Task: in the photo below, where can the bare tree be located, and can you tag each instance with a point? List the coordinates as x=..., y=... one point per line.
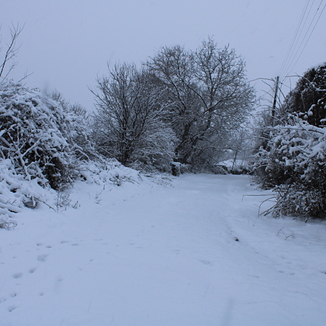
x=173, y=68
x=208, y=96
x=7, y=62
x=128, y=117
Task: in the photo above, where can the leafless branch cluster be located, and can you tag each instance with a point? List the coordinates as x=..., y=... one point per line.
x=7, y=63
x=199, y=96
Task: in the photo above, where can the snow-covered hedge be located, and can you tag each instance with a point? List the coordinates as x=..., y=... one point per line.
x=294, y=162
x=40, y=135
x=44, y=147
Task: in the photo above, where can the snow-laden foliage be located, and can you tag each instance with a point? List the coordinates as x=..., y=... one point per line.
x=107, y=172
x=44, y=136
x=294, y=162
x=36, y=149
x=79, y=135
x=291, y=158
x=299, y=200
x=45, y=146
x=33, y=135
x=16, y=192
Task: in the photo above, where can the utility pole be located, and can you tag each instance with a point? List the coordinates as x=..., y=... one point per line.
x=275, y=98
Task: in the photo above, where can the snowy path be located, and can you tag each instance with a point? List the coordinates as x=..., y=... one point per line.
x=195, y=253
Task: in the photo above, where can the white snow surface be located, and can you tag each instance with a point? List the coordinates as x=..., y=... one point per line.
x=167, y=254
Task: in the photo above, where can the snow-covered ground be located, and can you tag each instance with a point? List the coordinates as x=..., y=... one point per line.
x=190, y=252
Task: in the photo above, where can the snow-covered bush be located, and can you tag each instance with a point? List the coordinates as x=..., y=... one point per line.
x=294, y=162
x=291, y=158
x=34, y=135
x=45, y=146
x=299, y=200
x=79, y=135
x=107, y=171
x=17, y=192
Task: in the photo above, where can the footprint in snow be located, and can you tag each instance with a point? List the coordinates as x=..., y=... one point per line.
x=17, y=275
x=287, y=273
x=12, y=308
x=206, y=262
x=12, y=295
x=42, y=258
x=42, y=245
x=32, y=270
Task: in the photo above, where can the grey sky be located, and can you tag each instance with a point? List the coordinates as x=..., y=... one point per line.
x=66, y=44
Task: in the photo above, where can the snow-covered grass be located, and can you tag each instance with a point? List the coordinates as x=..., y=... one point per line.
x=192, y=251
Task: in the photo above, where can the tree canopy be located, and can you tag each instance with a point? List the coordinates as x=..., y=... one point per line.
x=308, y=99
x=180, y=105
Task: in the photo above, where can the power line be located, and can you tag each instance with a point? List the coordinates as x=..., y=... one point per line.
x=304, y=31
x=294, y=40
x=308, y=21
x=311, y=32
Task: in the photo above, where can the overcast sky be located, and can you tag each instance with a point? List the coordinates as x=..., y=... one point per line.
x=66, y=44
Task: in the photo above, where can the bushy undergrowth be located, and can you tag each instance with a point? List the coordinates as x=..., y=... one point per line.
x=107, y=171
x=299, y=200
x=44, y=147
x=294, y=163
x=34, y=134
x=17, y=192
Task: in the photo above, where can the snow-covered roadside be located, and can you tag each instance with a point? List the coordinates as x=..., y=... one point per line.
x=191, y=253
